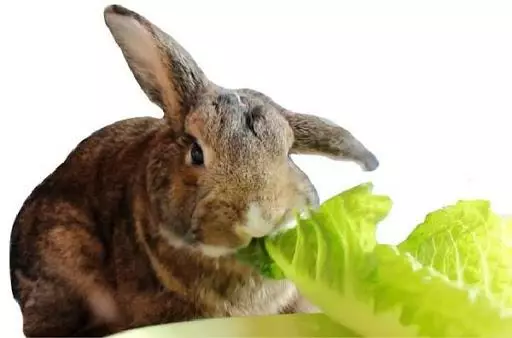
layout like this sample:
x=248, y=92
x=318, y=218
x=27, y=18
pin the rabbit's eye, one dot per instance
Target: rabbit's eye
x=196, y=154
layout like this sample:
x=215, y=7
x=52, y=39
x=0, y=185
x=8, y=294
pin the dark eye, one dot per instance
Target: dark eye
x=196, y=154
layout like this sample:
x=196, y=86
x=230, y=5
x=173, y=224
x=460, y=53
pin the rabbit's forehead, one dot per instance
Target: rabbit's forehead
x=232, y=134
x=231, y=124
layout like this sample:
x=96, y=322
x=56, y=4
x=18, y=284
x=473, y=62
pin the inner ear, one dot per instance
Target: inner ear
x=145, y=57
x=163, y=68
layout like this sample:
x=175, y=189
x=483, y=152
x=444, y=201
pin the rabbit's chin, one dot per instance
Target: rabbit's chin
x=255, y=227
x=265, y=230
x=213, y=251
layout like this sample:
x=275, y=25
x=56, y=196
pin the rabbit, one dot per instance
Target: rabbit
x=140, y=223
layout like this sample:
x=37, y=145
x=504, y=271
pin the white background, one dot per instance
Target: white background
x=426, y=85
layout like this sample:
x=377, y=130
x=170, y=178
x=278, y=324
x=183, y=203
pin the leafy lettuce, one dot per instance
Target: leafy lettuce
x=451, y=277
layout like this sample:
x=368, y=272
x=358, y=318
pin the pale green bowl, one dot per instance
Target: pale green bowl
x=295, y=325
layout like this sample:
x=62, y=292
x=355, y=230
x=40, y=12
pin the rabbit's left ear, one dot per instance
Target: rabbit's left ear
x=314, y=135
x=163, y=68
x=317, y=136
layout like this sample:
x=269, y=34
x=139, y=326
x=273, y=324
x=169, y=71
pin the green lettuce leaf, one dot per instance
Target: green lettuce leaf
x=449, y=278
x=469, y=244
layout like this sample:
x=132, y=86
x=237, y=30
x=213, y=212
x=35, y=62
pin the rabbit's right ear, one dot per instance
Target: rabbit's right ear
x=162, y=67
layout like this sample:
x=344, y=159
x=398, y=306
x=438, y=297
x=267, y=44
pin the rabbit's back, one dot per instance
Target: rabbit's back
x=90, y=187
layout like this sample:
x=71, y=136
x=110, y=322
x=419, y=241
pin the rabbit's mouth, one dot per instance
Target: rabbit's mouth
x=289, y=220
x=257, y=226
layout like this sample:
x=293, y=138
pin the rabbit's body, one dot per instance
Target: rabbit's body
x=97, y=199
x=138, y=226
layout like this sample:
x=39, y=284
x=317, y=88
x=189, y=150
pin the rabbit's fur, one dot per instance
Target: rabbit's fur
x=131, y=231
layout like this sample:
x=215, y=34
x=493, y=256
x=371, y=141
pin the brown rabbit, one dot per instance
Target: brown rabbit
x=139, y=224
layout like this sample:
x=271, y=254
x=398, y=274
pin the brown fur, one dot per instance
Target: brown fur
x=126, y=232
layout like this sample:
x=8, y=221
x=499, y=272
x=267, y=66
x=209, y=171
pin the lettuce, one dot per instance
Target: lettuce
x=451, y=277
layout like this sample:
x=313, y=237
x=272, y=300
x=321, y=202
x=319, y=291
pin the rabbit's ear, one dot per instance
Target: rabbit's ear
x=314, y=135
x=162, y=67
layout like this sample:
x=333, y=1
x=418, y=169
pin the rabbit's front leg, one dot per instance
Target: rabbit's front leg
x=65, y=292
x=49, y=308
x=161, y=307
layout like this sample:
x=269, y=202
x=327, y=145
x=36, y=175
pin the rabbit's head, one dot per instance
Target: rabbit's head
x=231, y=177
